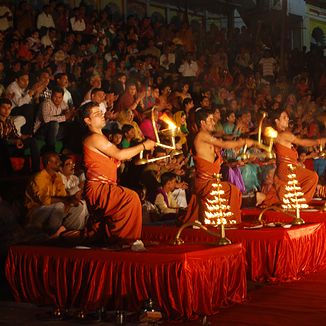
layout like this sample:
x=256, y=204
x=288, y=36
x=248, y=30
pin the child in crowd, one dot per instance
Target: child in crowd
x=302, y=156
x=148, y=209
x=117, y=135
x=267, y=185
x=128, y=132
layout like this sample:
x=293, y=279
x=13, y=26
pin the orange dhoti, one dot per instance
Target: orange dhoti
x=115, y=211
x=307, y=179
x=203, y=187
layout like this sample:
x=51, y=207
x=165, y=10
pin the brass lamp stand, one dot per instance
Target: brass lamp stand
x=215, y=215
x=293, y=191
x=221, y=241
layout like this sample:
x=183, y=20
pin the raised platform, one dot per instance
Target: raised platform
x=272, y=254
x=311, y=215
x=185, y=280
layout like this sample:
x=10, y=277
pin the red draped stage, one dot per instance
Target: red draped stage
x=186, y=280
x=313, y=215
x=272, y=254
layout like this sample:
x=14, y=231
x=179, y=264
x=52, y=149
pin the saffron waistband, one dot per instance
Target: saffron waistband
x=205, y=175
x=287, y=160
x=93, y=176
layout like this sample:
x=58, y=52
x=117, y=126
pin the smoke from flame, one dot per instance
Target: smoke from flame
x=165, y=118
x=270, y=132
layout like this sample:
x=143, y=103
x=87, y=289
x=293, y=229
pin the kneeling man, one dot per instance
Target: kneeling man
x=208, y=162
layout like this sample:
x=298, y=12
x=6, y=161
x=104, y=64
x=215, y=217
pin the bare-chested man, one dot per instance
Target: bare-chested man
x=115, y=211
x=207, y=160
x=287, y=154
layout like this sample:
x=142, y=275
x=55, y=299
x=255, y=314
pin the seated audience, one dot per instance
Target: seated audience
x=22, y=100
x=47, y=201
x=163, y=200
x=54, y=120
x=11, y=142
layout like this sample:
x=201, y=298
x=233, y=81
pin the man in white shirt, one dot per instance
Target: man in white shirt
x=163, y=199
x=111, y=55
x=22, y=100
x=62, y=81
x=167, y=60
x=74, y=185
x=49, y=38
x=77, y=22
x=52, y=120
x=189, y=69
x=45, y=18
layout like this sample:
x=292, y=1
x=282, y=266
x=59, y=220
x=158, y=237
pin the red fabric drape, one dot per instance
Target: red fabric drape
x=313, y=216
x=185, y=280
x=272, y=254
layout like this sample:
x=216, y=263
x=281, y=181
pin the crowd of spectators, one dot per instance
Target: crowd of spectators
x=53, y=62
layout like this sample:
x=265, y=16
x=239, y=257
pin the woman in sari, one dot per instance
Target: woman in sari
x=180, y=121
x=148, y=100
x=126, y=116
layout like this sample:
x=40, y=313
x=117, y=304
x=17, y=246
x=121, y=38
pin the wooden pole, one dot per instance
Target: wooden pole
x=283, y=36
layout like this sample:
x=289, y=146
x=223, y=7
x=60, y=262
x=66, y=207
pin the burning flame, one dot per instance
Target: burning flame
x=165, y=118
x=270, y=132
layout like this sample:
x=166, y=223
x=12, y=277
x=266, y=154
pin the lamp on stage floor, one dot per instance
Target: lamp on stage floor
x=293, y=200
x=218, y=214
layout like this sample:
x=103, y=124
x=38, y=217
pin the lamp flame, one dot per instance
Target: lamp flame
x=270, y=132
x=165, y=118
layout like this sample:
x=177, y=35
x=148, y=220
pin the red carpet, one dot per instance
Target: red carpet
x=298, y=303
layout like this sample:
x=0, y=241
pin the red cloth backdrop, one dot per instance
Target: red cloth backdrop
x=272, y=254
x=185, y=280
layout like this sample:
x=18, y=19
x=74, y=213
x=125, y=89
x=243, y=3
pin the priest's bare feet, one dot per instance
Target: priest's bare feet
x=260, y=197
x=56, y=235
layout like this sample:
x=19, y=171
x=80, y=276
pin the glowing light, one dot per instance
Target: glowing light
x=165, y=118
x=270, y=132
x=217, y=211
x=293, y=199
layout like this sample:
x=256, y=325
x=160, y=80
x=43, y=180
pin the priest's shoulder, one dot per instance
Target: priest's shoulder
x=92, y=137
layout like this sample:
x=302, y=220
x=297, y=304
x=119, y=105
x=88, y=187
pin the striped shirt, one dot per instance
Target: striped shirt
x=268, y=66
x=48, y=111
x=8, y=131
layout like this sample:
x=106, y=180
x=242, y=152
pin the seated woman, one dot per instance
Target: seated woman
x=180, y=121
x=221, y=97
x=184, y=91
x=230, y=169
x=126, y=116
x=148, y=100
x=147, y=127
x=229, y=125
x=250, y=173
